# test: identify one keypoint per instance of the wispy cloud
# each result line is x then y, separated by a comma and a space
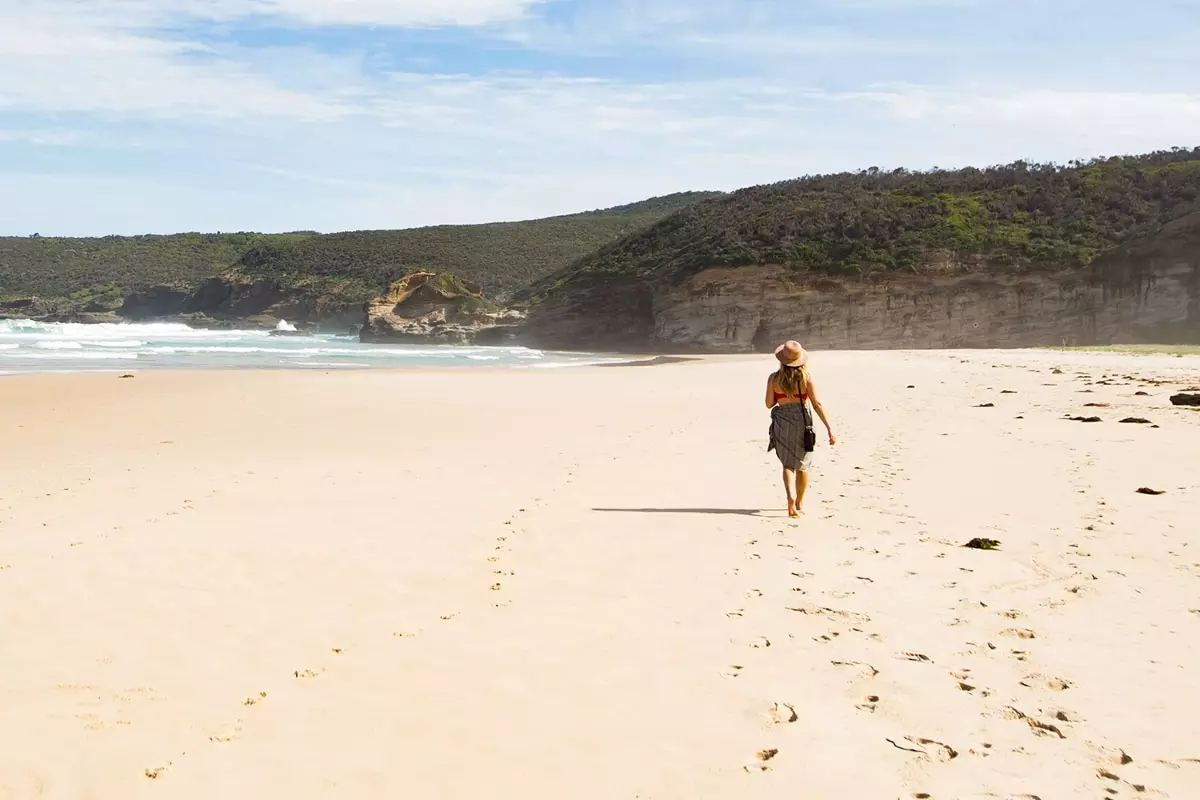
40, 138
404, 13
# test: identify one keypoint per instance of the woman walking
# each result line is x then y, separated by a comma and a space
789, 392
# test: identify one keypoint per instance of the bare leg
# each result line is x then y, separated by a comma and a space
789, 476
801, 488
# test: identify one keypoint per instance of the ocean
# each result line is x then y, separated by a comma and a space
27, 346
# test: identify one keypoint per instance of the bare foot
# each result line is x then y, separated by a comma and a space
792, 510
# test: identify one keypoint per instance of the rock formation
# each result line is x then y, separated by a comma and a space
1147, 291
428, 307
235, 300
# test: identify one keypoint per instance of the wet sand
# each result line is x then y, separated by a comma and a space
582, 583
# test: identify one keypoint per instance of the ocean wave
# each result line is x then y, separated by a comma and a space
50, 345
119, 330
447, 352
71, 355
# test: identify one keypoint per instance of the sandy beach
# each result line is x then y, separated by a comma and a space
581, 583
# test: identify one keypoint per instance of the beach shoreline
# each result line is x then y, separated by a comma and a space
582, 582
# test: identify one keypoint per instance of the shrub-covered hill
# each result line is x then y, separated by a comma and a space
500, 257
1020, 214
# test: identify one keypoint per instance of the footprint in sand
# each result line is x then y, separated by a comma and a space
833, 612
782, 714
869, 703
867, 670
759, 764
1036, 681
1018, 633
1040, 729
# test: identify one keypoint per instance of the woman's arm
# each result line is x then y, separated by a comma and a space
771, 392
820, 409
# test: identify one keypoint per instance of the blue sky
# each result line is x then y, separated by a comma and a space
152, 116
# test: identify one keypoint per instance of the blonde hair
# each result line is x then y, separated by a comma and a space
791, 381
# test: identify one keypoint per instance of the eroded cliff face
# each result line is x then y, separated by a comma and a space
596, 313
1148, 291
751, 310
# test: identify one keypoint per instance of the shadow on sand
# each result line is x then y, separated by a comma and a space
743, 512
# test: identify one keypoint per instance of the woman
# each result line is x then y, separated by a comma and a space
789, 391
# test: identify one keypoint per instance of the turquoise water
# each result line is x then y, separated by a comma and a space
27, 346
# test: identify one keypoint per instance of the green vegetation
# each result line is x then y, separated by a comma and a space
500, 257
1021, 214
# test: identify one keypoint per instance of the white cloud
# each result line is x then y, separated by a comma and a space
40, 138
1172, 117
403, 13
736, 29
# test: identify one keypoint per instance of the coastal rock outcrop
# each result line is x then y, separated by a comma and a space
26, 308
231, 298
155, 302
1148, 291
440, 308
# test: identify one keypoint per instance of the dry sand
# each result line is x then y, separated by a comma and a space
581, 584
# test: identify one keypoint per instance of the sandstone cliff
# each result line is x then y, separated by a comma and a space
427, 307
1148, 290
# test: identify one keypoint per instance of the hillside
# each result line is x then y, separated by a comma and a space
855, 223
500, 257
738, 271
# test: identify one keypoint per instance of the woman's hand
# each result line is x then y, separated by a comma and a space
832, 439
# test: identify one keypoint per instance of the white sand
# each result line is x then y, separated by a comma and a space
443, 585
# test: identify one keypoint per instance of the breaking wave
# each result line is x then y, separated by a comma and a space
27, 346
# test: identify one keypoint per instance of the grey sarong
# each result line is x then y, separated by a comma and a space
788, 424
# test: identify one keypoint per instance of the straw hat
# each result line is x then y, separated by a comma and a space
791, 354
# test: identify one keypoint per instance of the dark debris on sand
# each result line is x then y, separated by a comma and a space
1151, 492
1084, 419
1186, 399
983, 544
